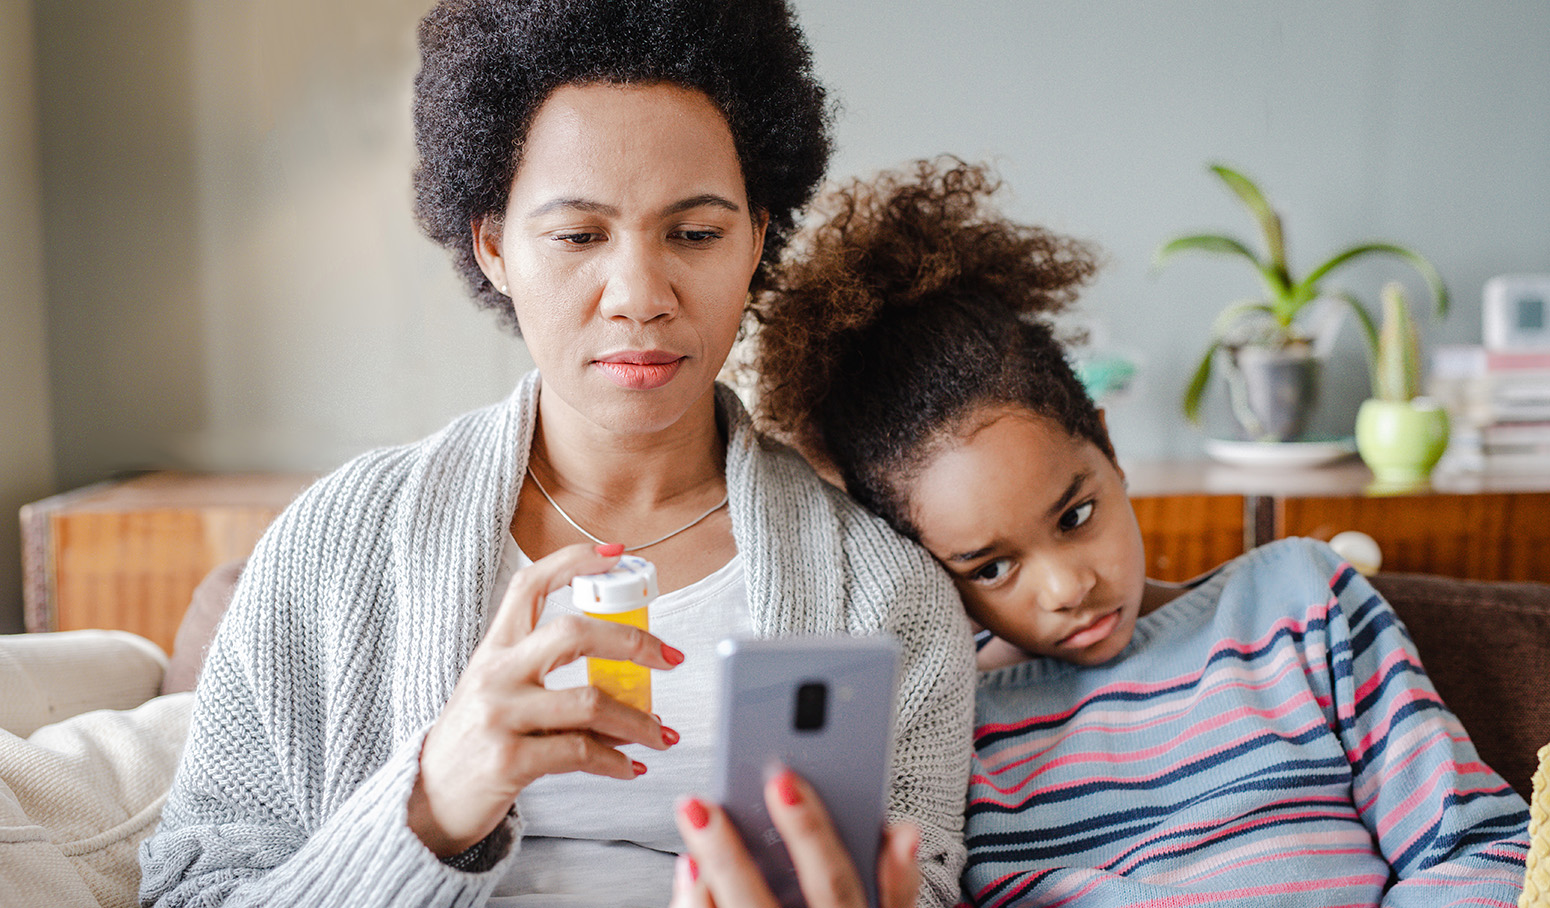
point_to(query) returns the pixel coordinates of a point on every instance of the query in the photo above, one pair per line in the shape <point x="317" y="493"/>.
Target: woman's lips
<point x="1093" y="633"/>
<point x="640" y="373"/>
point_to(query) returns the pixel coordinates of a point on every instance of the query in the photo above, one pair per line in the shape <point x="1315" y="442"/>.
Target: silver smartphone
<point x="824" y="707"/>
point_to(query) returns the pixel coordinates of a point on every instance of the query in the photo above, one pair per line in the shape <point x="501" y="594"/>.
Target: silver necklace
<point x="634" y="548"/>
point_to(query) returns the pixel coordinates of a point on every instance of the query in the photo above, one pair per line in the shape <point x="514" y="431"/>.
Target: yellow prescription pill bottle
<point x="620" y="596"/>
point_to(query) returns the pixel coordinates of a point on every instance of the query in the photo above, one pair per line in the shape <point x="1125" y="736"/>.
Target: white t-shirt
<point x="595" y="841"/>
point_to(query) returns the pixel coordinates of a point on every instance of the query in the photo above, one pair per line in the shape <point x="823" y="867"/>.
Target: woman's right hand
<point x="502" y="729"/>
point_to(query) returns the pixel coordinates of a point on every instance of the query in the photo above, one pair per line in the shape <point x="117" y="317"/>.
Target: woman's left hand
<point x="718" y="871"/>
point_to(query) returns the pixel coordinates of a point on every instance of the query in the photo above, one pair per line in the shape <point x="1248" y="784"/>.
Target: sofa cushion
<point x="197" y="629"/>
<point x="51" y="677"/>
<point x="1486" y="647"/>
<point x="77" y="797"/>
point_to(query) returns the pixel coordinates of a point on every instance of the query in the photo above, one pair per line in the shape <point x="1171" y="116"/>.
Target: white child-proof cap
<point x="631" y="584"/>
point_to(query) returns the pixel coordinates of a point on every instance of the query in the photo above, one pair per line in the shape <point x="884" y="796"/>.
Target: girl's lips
<point x="635" y="376"/>
<point x="1093" y="633"/>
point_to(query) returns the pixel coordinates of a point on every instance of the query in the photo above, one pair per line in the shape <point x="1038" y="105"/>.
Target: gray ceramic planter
<point x="1272" y="390"/>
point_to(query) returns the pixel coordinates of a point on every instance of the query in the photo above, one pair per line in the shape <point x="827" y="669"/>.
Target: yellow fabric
<point x="1536" y="879"/>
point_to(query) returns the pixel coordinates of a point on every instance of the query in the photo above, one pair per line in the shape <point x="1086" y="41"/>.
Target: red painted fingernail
<point x="696" y="814"/>
<point x="786" y="788"/>
<point x="673" y="656"/>
<point x="610" y="550"/>
<point x="640" y="768"/>
<point x="669" y="736"/>
<point x="694" y="870"/>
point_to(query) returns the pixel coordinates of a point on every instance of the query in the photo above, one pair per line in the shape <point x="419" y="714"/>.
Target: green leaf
<point x="1235" y="313"/>
<point x="1196" y="391"/>
<point x="1259" y="206"/>
<point x="1369" y="329"/>
<point x="1217" y="244"/>
<point x="1205" y="242"/>
<point x="1428" y="272"/>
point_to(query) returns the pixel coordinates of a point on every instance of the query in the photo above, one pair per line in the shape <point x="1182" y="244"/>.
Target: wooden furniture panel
<point x="1476" y="526"/>
<point x="1483" y="536"/>
<point x="1187" y="535"/>
<point x="127" y="554"/>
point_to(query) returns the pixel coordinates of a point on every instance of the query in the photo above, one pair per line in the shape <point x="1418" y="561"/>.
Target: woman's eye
<point x="1077" y="516"/>
<point x="992" y="571"/>
<point x="578" y="239"/>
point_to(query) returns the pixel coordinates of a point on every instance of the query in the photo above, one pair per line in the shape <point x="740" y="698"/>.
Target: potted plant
<point x="1400" y="434"/>
<point x="1269" y="348"/>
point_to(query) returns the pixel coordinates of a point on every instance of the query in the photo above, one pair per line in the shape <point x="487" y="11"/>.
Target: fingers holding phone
<point x="502" y="729"/>
<point x="719" y="871"/>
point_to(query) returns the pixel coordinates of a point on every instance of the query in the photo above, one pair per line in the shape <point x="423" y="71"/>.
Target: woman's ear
<point x="486" y="230"/>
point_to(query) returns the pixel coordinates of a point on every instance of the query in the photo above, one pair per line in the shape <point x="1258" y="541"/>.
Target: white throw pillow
<point x="48" y="678"/>
<point x="77" y="798"/>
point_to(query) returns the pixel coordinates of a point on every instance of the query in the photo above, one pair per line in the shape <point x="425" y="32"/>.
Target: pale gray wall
<point x="234" y="280"/>
<point x="1426" y="123"/>
<point x="26" y="451"/>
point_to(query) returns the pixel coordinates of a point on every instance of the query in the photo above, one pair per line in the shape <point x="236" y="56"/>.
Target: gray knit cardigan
<point x="362" y="604"/>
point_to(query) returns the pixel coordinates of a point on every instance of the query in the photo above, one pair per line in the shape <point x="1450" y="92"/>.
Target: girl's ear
<point x="1103" y="424"/>
<point x="761" y="225"/>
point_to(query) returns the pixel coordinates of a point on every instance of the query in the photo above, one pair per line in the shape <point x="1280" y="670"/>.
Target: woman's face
<point x="627" y="247"/>
<point x="1037" y="530"/>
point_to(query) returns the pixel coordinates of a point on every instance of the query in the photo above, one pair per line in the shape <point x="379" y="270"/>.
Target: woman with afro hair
<point x="395" y="709"/>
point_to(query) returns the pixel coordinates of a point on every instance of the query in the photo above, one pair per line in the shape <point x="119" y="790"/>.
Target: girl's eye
<point x="1077" y="516"/>
<point x="992" y="571"/>
<point x="698" y="236"/>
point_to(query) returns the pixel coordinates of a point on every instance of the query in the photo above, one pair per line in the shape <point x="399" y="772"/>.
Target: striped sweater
<point x="1268" y="738"/>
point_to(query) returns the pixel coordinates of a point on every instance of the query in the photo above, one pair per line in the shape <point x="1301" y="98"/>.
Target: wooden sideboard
<point x="1196" y="514"/>
<point x="127" y="554"/>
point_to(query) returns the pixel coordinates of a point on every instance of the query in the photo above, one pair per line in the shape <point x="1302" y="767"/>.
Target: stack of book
<point x="1499" y="404"/>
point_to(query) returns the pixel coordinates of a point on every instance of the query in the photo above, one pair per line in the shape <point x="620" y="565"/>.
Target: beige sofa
<point x="94" y="722"/>
<point x="87" y="753"/>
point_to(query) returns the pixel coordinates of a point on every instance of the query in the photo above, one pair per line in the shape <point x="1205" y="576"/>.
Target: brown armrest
<point x="1486" y="647"/>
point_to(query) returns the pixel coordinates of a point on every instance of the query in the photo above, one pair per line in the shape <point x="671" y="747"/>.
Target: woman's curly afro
<point x="488" y="65"/>
<point x="907" y="307"/>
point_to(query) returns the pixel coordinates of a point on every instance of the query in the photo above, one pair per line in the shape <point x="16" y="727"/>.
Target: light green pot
<point x="1401" y="441"/>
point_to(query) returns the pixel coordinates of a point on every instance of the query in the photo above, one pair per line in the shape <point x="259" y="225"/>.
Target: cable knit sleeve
<point x="293" y="787"/>
<point x="935" y="707"/>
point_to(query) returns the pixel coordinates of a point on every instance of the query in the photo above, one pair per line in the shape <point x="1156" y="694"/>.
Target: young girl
<point x="1267" y="737"/>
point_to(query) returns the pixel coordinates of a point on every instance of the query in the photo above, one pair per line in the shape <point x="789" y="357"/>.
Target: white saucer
<point x="1280" y="453"/>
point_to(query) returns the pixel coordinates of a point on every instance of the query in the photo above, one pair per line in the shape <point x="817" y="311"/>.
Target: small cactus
<point x="1396" y="367"/>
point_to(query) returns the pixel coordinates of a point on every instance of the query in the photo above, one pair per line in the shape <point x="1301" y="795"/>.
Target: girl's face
<point x="1036" y="528"/>
<point x="627" y="247"/>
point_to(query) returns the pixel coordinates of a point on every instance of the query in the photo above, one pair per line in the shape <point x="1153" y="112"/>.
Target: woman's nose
<point x="637" y="286"/>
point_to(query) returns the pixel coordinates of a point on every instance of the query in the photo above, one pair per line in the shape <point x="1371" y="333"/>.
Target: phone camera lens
<point x="812" y="703"/>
